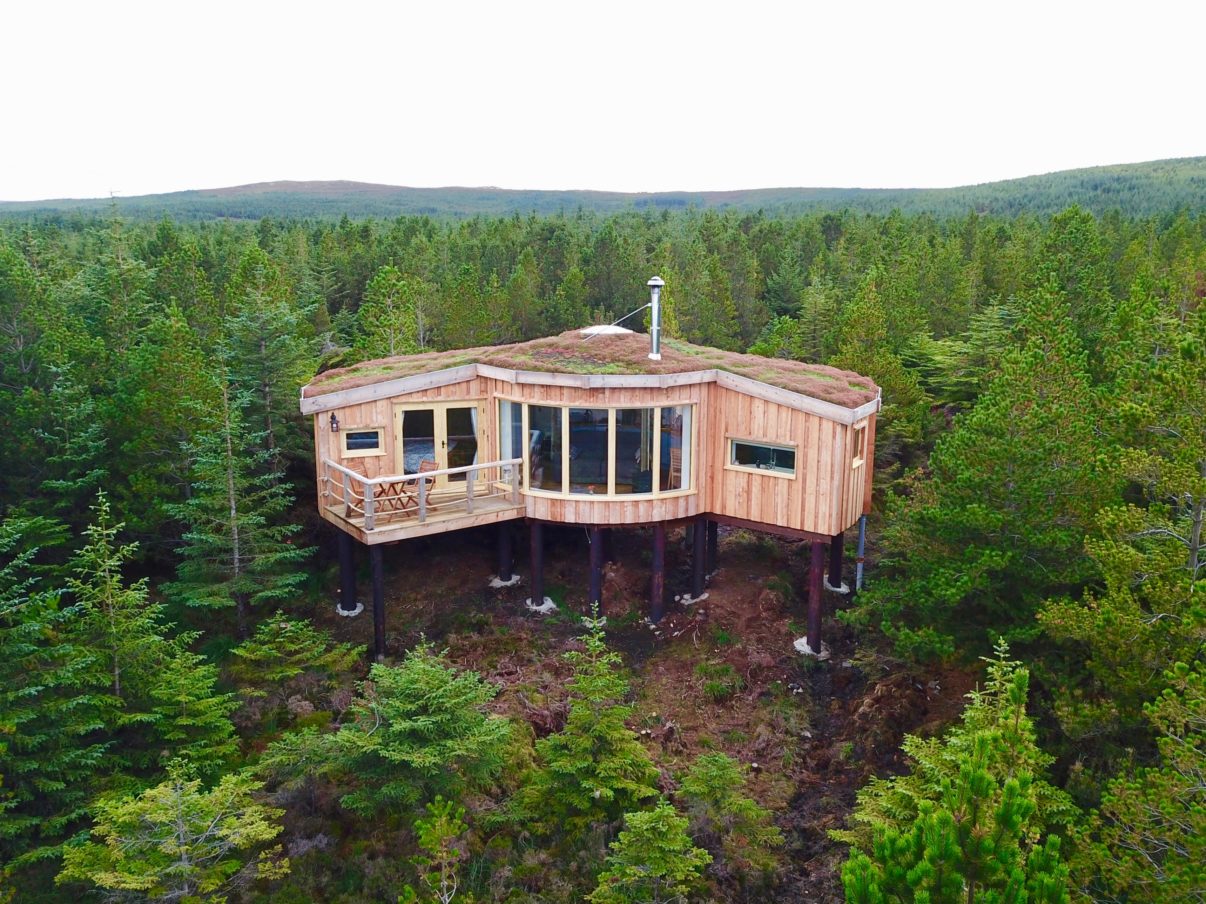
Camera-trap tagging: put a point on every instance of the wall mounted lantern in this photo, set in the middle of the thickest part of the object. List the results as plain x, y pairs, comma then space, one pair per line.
334, 424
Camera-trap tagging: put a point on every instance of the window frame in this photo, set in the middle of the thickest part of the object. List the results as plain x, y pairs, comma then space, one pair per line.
731, 465
345, 452
858, 447
611, 495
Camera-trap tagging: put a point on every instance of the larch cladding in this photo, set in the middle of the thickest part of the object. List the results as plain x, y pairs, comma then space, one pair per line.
826, 495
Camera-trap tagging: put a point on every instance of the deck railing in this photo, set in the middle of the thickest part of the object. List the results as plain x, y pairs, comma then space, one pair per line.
411, 497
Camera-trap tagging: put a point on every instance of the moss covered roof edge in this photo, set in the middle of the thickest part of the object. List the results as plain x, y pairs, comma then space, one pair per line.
602, 361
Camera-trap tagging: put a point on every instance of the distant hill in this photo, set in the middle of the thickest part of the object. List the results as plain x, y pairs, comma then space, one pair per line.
1135, 189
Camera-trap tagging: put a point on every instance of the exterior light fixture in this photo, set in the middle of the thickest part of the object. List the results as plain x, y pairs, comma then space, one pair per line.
334, 424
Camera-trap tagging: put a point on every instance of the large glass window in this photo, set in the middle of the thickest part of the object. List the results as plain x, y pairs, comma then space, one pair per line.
675, 470
602, 451
762, 457
588, 431
545, 448
634, 450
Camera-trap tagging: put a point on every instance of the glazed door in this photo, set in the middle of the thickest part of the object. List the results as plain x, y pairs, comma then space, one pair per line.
447, 433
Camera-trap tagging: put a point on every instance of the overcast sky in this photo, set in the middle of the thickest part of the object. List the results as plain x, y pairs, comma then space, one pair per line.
135, 98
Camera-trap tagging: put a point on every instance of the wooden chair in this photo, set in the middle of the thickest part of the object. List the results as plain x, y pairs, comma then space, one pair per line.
675, 478
402, 495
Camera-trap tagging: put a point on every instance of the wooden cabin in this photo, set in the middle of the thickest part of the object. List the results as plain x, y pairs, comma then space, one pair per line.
587, 428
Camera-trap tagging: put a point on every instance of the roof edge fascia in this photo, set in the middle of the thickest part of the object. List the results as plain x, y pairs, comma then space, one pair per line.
387, 388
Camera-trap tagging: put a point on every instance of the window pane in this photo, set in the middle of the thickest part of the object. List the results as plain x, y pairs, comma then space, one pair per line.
510, 430
418, 438
363, 439
763, 457
544, 443
588, 450
634, 450
676, 448
461, 424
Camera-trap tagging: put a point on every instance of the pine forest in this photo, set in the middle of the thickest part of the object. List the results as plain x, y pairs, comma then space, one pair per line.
1015, 707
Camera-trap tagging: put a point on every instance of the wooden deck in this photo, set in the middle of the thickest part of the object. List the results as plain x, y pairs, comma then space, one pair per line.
390, 529
397, 507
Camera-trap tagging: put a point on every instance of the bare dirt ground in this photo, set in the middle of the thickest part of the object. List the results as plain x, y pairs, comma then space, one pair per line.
718, 675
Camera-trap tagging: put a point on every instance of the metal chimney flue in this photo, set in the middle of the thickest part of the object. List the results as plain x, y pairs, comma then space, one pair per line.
655, 319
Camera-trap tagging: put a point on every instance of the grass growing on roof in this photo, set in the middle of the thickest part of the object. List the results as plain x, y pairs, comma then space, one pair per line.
626, 353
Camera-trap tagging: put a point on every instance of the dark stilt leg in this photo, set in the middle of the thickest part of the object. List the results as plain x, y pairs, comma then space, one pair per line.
713, 545
378, 603
506, 561
609, 545
816, 572
347, 574
699, 552
862, 546
537, 563
657, 586
836, 547
595, 596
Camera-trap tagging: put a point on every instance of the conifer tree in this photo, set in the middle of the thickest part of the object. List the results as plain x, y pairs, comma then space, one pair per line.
1000, 520
115, 619
190, 718
594, 769
54, 706
652, 861
868, 346
968, 823
733, 827
238, 550
179, 841
287, 656
441, 838
163, 398
965, 847
417, 730
1148, 612
165, 696
786, 284
523, 298
997, 733
1147, 841
465, 317
568, 308
76, 450
391, 317
269, 351
707, 314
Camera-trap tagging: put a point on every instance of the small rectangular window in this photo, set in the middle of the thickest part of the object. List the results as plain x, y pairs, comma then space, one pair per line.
361, 443
859, 447
773, 459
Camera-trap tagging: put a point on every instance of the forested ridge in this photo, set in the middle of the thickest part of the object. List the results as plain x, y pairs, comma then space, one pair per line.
1135, 189
178, 723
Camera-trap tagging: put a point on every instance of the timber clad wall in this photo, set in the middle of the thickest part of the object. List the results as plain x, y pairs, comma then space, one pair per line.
826, 495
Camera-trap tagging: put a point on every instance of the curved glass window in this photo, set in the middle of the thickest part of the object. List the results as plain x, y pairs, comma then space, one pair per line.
546, 454
634, 450
676, 454
609, 452
589, 463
